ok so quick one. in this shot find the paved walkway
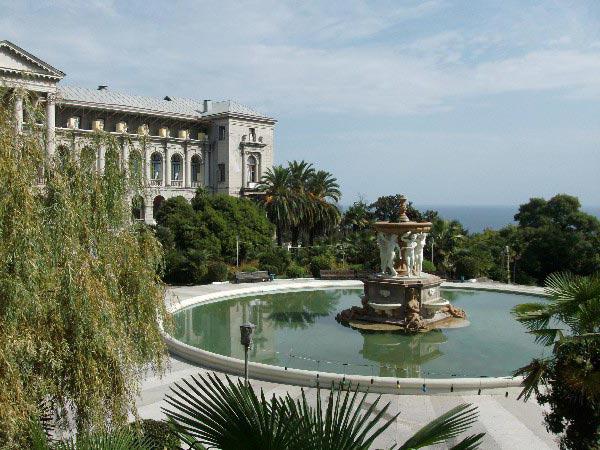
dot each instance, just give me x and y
(508, 423)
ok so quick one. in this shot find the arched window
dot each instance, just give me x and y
(156, 204)
(252, 168)
(135, 164)
(195, 169)
(87, 159)
(137, 208)
(156, 166)
(176, 165)
(62, 152)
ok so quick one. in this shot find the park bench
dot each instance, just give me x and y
(344, 274)
(252, 277)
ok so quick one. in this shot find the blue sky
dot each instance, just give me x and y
(449, 102)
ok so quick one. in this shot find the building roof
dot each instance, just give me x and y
(177, 107)
(46, 69)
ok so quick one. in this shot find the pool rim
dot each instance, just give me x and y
(312, 378)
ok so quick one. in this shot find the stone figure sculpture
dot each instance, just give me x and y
(387, 245)
(420, 241)
(413, 314)
(408, 252)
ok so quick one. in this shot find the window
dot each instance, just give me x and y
(252, 167)
(195, 168)
(176, 167)
(88, 158)
(222, 132)
(156, 166)
(221, 173)
(252, 135)
(135, 164)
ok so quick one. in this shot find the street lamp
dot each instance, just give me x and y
(246, 330)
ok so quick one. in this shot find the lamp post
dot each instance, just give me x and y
(246, 330)
(507, 250)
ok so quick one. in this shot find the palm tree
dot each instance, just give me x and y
(447, 235)
(570, 313)
(301, 173)
(322, 188)
(207, 411)
(279, 200)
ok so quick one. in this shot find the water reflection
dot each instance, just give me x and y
(298, 329)
(399, 355)
(300, 309)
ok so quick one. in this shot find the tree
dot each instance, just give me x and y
(322, 188)
(228, 415)
(280, 202)
(80, 299)
(569, 322)
(212, 228)
(448, 237)
(356, 218)
(558, 237)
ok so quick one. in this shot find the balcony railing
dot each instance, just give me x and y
(156, 182)
(176, 183)
(196, 184)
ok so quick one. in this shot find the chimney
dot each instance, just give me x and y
(102, 87)
(207, 105)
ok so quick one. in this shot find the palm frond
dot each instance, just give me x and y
(469, 443)
(342, 424)
(446, 426)
(227, 415)
(117, 440)
(535, 373)
(547, 336)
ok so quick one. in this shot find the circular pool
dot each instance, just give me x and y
(297, 329)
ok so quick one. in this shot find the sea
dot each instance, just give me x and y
(479, 217)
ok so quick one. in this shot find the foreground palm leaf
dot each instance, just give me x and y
(447, 426)
(573, 308)
(228, 415)
(210, 412)
(342, 425)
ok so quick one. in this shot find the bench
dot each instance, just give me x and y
(252, 277)
(347, 274)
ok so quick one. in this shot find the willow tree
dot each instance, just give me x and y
(80, 299)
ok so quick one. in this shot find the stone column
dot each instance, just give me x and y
(206, 167)
(147, 164)
(187, 169)
(101, 158)
(243, 168)
(125, 157)
(18, 112)
(50, 124)
(167, 166)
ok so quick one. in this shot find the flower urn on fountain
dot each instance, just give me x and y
(401, 296)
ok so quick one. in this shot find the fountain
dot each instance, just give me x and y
(401, 296)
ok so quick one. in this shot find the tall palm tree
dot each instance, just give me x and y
(300, 174)
(322, 188)
(447, 235)
(279, 200)
(207, 411)
(570, 313)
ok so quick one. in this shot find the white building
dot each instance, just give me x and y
(178, 144)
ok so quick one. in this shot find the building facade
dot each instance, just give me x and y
(175, 144)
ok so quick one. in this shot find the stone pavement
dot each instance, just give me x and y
(507, 422)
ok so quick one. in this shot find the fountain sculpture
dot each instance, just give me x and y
(401, 296)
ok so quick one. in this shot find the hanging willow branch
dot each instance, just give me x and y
(80, 298)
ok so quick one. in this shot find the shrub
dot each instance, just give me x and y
(321, 262)
(296, 271)
(428, 266)
(156, 434)
(216, 271)
(275, 260)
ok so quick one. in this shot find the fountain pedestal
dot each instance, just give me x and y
(402, 294)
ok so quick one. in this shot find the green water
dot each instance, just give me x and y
(298, 329)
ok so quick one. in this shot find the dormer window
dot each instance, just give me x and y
(252, 133)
